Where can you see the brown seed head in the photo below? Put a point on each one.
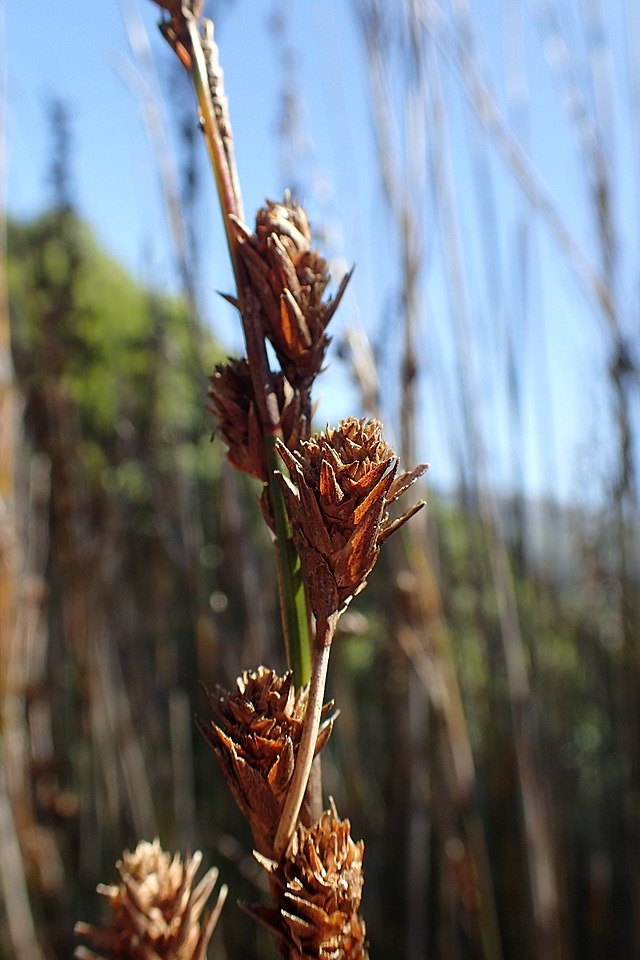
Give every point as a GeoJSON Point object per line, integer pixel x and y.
{"type": "Point", "coordinates": [341, 483]}
{"type": "Point", "coordinates": [318, 888]}
{"type": "Point", "coordinates": [290, 280]}
{"type": "Point", "coordinates": [155, 909]}
{"type": "Point", "coordinates": [232, 404]}
{"type": "Point", "coordinates": [256, 738]}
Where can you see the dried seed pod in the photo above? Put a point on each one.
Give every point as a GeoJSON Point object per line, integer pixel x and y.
{"type": "Point", "coordinates": [155, 909]}
{"type": "Point", "coordinates": [290, 280]}
{"type": "Point", "coordinates": [233, 406]}
{"type": "Point", "coordinates": [255, 738]}
{"type": "Point", "coordinates": [231, 396]}
{"type": "Point", "coordinates": [341, 482]}
{"type": "Point", "coordinates": [317, 888]}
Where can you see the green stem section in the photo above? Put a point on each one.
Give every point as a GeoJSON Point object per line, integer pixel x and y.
{"type": "Point", "coordinates": [293, 608]}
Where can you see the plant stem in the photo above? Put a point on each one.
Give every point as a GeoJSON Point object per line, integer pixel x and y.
{"type": "Point", "coordinates": [325, 631]}
{"type": "Point", "coordinates": [293, 607]}
{"type": "Point", "coordinates": [229, 202]}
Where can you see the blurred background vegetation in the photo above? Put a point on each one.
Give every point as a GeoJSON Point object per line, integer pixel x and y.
{"type": "Point", "coordinates": [488, 745]}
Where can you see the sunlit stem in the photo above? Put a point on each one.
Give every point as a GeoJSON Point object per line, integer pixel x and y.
{"type": "Point", "coordinates": [306, 751]}
{"type": "Point", "coordinates": [229, 203]}
{"type": "Point", "coordinates": [293, 607]}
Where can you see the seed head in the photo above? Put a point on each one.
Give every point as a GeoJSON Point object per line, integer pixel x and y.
{"type": "Point", "coordinates": [318, 888]}
{"type": "Point", "coordinates": [233, 405]}
{"type": "Point", "coordinates": [155, 909]}
{"type": "Point", "coordinates": [341, 482]}
{"type": "Point", "coordinates": [255, 738]}
{"type": "Point", "coordinates": [289, 278]}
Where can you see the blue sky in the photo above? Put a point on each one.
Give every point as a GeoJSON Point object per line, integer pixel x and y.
{"type": "Point", "coordinates": [81, 54]}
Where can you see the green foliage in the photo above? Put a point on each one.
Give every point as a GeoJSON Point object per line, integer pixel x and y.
{"type": "Point", "coordinates": [125, 355]}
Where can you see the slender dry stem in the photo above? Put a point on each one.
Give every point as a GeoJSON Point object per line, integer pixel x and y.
{"type": "Point", "coordinates": [290, 587]}
{"type": "Point", "coordinates": [325, 631]}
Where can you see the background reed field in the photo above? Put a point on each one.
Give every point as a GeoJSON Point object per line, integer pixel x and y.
{"type": "Point", "coordinates": [478, 163]}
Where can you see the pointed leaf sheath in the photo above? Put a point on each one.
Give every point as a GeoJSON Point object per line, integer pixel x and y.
{"type": "Point", "coordinates": [341, 483]}
{"type": "Point", "coordinates": [255, 738]}
{"type": "Point", "coordinates": [317, 890]}
{"type": "Point", "coordinates": [155, 909]}
{"type": "Point", "coordinates": [174, 27]}
{"type": "Point", "coordinates": [290, 280]}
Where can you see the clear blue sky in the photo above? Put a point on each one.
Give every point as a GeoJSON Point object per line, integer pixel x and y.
{"type": "Point", "coordinates": [79, 52]}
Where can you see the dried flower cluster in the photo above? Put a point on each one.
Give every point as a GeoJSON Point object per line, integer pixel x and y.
{"type": "Point", "coordinates": [289, 279]}
{"type": "Point", "coordinates": [342, 482]}
{"type": "Point", "coordinates": [256, 738]}
{"type": "Point", "coordinates": [155, 909]}
{"type": "Point", "coordinates": [286, 280]}
{"type": "Point", "coordinates": [318, 888]}
{"type": "Point", "coordinates": [233, 404]}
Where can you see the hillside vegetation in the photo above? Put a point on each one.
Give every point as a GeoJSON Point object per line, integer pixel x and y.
{"type": "Point", "coordinates": [142, 575]}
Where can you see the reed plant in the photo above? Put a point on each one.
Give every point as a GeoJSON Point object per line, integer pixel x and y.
{"type": "Point", "coordinates": [325, 498]}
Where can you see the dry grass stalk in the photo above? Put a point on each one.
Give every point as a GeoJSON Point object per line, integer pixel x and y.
{"type": "Point", "coordinates": [20, 921]}
{"type": "Point", "coordinates": [192, 39]}
{"type": "Point", "coordinates": [340, 486]}
{"type": "Point", "coordinates": [156, 909]}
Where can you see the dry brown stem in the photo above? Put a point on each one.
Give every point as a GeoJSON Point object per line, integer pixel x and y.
{"type": "Point", "coordinates": [325, 631]}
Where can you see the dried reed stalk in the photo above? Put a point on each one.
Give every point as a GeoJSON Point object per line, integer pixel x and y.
{"type": "Point", "coordinates": [329, 516]}
{"type": "Point", "coordinates": [541, 866]}
{"type": "Point", "coordinates": [419, 622]}
{"type": "Point", "coordinates": [198, 53]}
{"type": "Point", "coordinates": [13, 757]}
{"type": "Point", "coordinates": [21, 600]}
